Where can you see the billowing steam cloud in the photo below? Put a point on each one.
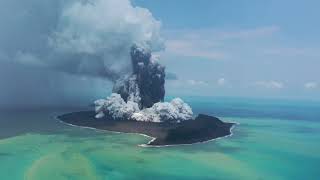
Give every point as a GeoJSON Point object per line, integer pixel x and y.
{"type": "Point", "coordinates": [49, 41]}
{"type": "Point", "coordinates": [101, 33]}
{"type": "Point", "coordinates": [91, 37]}
{"type": "Point", "coordinates": [115, 107]}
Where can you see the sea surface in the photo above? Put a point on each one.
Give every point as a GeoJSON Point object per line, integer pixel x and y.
{"type": "Point", "coordinates": [276, 139]}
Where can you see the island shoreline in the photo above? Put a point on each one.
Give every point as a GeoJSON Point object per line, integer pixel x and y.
{"type": "Point", "coordinates": [148, 144]}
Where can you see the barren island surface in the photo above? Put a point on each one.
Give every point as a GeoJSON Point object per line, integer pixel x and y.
{"type": "Point", "coordinates": [202, 128]}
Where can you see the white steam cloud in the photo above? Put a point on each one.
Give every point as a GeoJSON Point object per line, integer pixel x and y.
{"type": "Point", "coordinates": [94, 38]}
{"type": "Point", "coordinates": [103, 32]}
{"type": "Point", "coordinates": [115, 106]}
{"type": "Point", "coordinates": [105, 26]}
{"type": "Point", "coordinates": [86, 38]}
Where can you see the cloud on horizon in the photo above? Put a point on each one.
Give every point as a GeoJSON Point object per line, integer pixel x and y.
{"type": "Point", "coordinates": [211, 43]}
{"type": "Point", "coordinates": [270, 84]}
{"type": "Point", "coordinates": [311, 85]}
{"type": "Point", "coordinates": [293, 52]}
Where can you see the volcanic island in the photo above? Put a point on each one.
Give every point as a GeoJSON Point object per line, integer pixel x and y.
{"type": "Point", "coordinates": [137, 105]}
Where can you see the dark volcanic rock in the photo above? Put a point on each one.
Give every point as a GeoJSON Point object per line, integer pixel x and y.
{"type": "Point", "coordinates": [203, 128]}
{"type": "Point", "coordinates": [146, 84]}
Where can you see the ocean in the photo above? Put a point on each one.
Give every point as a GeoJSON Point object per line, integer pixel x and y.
{"type": "Point", "coordinates": [275, 139]}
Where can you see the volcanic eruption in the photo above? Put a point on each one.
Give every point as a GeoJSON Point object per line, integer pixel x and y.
{"type": "Point", "coordinates": [140, 96]}
{"type": "Point", "coordinates": [117, 44]}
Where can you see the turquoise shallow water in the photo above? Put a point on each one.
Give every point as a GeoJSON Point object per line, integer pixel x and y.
{"type": "Point", "coordinates": [34, 145]}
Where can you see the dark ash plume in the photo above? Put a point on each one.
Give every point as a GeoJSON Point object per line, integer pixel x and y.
{"type": "Point", "coordinates": [145, 85]}
{"type": "Point", "coordinates": [140, 95]}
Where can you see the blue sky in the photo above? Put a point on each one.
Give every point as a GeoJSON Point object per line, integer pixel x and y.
{"type": "Point", "coordinates": [241, 48]}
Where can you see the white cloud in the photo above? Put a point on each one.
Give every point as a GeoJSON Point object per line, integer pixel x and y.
{"type": "Point", "coordinates": [221, 81]}
{"type": "Point", "coordinates": [180, 83]}
{"type": "Point", "coordinates": [98, 35]}
{"type": "Point", "coordinates": [102, 25]}
{"type": "Point", "coordinates": [311, 85]}
{"type": "Point", "coordinates": [249, 33]}
{"type": "Point", "coordinates": [192, 49]}
{"type": "Point", "coordinates": [29, 59]}
{"type": "Point", "coordinates": [197, 82]}
{"type": "Point", "coordinates": [82, 37]}
{"type": "Point", "coordinates": [293, 52]}
{"type": "Point", "coordinates": [210, 33]}
{"type": "Point", "coordinates": [270, 84]}
{"type": "Point", "coordinates": [210, 43]}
